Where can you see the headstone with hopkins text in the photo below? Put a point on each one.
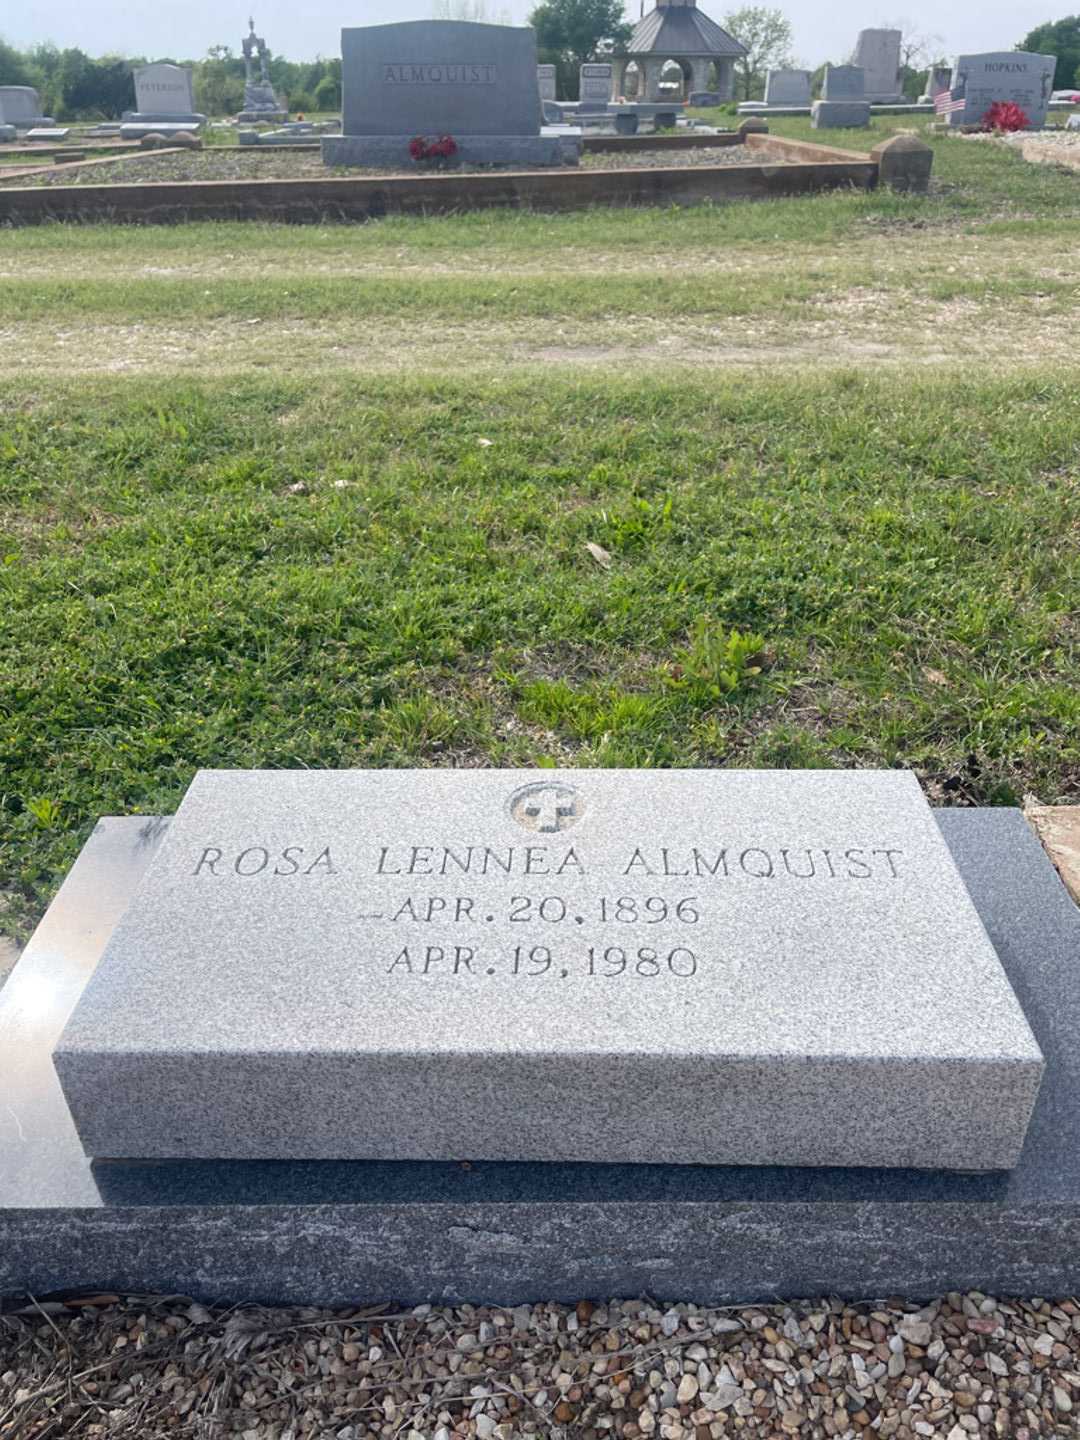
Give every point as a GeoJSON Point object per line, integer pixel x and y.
{"type": "Point", "coordinates": [545, 79]}
{"type": "Point", "coordinates": [719, 967]}
{"type": "Point", "coordinates": [1016, 76]}
{"type": "Point", "coordinates": [787, 87]}
{"type": "Point", "coordinates": [477, 84]}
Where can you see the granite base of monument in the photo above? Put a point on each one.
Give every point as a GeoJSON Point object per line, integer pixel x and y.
{"type": "Point", "coordinates": [840, 114]}
{"type": "Point", "coordinates": [512, 151]}
{"type": "Point", "coordinates": [133, 131]}
{"type": "Point", "coordinates": [341, 1233]}
{"type": "Point", "coordinates": [189, 119]}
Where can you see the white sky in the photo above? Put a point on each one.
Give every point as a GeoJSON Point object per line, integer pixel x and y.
{"type": "Point", "coordinates": [824, 29]}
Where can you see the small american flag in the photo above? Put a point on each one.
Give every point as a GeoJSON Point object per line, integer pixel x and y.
{"type": "Point", "coordinates": [949, 101]}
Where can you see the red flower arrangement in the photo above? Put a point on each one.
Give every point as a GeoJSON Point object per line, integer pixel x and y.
{"type": "Point", "coordinates": [444, 148]}
{"type": "Point", "coordinates": [1005, 115]}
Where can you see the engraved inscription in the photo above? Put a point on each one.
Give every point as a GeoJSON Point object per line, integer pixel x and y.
{"type": "Point", "coordinates": [547, 806]}
{"type": "Point", "coordinates": [429, 72]}
{"type": "Point", "coordinates": [636, 927]}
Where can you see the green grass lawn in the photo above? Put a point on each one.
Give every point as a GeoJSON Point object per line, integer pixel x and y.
{"type": "Point", "coordinates": [324, 496]}
{"type": "Point", "coordinates": [831, 571]}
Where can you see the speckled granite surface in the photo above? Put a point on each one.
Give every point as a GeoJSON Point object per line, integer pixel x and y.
{"type": "Point", "coordinates": [337, 1232]}
{"type": "Point", "coordinates": [653, 967]}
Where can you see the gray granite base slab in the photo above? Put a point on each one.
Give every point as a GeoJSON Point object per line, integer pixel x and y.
{"type": "Point", "coordinates": [191, 119]}
{"type": "Point", "coordinates": [840, 114]}
{"type": "Point", "coordinates": [509, 150]}
{"type": "Point", "coordinates": [339, 1232]}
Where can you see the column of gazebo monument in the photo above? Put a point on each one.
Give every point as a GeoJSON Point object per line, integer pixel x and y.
{"type": "Point", "coordinates": [650, 70]}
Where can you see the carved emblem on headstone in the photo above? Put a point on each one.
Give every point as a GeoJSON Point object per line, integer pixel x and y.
{"type": "Point", "coordinates": [547, 806]}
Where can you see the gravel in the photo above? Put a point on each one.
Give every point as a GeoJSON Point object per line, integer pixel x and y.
{"type": "Point", "coordinates": [269, 164]}
{"type": "Point", "coordinates": [965, 1365]}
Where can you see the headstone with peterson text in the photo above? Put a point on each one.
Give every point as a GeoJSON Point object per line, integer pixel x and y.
{"type": "Point", "coordinates": [1018, 77]}
{"type": "Point", "coordinates": [476, 84]}
{"type": "Point", "coordinates": [163, 91]}
{"type": "Point", "coordinates": [718, 967]}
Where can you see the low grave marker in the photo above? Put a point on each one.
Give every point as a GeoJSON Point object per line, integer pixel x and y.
{"type": "Point", "coordinates": [691, 967]}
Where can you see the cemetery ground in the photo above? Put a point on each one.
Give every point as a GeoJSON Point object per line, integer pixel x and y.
{"type": "Point", "coordinates": [774, 484]}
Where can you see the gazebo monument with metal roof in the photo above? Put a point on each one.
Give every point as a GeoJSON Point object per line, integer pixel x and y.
{"type": "Point", "coordinates": [676, 30]}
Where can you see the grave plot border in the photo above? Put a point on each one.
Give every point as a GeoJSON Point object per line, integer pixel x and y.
{"type": "Point", "coordinates": [788, 167]}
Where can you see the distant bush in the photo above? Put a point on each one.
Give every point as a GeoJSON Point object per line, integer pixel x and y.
{"type": "Point", "coordinates": [327, 94]}
{"type": "Point", "coordinates": [302, 101]}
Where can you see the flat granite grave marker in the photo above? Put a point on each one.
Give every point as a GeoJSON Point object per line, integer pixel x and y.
{"type": "Point", "coordinates": [476, 83]}
{"type": "Point", "coordinates": [1019, 76]}
{"type": "Point", "coordinates": [725, 967]}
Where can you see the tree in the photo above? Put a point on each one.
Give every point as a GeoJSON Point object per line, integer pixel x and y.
{"type": "Point", "coordinates": [767, 36]}
{"type": "Point", "coordinates": [918, 51]}
{"type": "Point", "coordinates": [572, 31]}
{"type": "Point", "coordinates": [219, 82]}
{"type": "Point", "coordinates": [13, 67]}
{"type": "Point", "coordinates": [327, 94]}
{"type": "Point", "coordinates": [1060, 38]}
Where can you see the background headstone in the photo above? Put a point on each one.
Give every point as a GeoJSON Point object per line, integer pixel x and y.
{"type": "Point", "coordinates": [877, 52]}
{"type": "Point", "coordinates": [938, 78]}
{"type": "Point", "coordinates": [1018, 76]}
{"type": "Point", "coordinates": [20, 106]}
{"type": "Point", "coordinates": [787, 87]}
{"type": "Point", "coordinates": [840, 114]}
{"type": "Point", "coordinates": [163, 89]}
{"type": "Point", "coordinates": [594, 80]}
{"type": "Point", "coordinates": [475, 83]}
{"type": "Point", "coordinates": [843, 82]}
{"type": "Point", "coordinates": [436, 77]}
{"type": "Point", "coordinates": [545, 78]}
